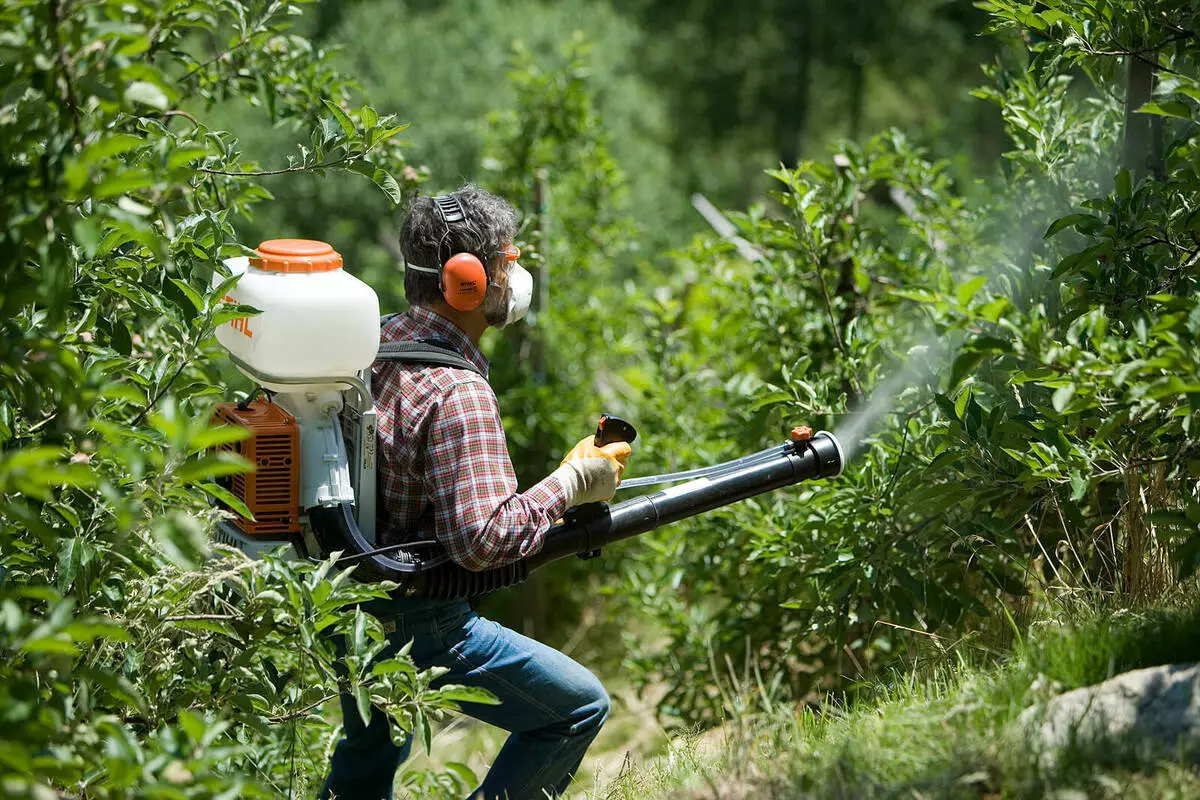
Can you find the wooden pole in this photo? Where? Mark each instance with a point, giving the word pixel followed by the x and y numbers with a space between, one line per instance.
pixel 541 273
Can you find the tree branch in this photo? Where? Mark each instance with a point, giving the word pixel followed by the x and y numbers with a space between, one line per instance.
pixel 65 62
pixel 177 113
pixel 286 171
pixel 301 712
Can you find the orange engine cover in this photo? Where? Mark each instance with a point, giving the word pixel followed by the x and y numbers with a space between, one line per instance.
pixel 271 491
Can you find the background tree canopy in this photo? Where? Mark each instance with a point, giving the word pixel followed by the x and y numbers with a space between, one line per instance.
pixel 975 236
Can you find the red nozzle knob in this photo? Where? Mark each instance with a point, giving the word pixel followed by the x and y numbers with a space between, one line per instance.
pixel 801 433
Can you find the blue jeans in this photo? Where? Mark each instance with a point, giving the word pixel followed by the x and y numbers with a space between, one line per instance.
pixel 552 706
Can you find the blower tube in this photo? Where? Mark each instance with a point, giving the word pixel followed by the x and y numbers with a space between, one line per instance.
pixel 584 529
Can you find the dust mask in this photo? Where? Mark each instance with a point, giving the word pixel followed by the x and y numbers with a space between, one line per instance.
pixel 519 295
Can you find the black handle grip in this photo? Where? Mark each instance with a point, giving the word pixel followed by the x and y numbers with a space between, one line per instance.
pixel 613 429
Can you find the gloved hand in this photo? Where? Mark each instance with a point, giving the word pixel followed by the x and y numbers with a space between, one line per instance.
pixel 617 452
pixel 590 474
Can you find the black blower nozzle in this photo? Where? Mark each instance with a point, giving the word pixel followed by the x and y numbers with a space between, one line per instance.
pixel 587 528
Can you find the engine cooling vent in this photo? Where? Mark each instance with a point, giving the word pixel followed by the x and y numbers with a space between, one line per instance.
pixel 271 491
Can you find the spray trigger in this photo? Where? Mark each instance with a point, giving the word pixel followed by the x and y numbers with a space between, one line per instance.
pixel 613 429
pixel 801 433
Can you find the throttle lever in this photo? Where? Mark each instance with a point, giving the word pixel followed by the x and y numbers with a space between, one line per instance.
pixel 613 429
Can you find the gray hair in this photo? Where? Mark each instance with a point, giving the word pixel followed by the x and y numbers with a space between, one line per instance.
pixel 427 241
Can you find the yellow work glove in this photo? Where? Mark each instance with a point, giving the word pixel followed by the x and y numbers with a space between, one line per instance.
pixel 617 452
pixel 590 474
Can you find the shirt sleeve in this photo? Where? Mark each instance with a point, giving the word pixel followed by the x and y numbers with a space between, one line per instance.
pixel 479 516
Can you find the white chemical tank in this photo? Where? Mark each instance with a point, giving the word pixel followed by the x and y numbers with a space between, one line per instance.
pixel 317 322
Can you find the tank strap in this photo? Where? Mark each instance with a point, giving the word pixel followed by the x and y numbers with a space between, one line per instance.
pixel 424 353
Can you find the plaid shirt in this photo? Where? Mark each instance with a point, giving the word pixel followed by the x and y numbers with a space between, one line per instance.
pixel 444 466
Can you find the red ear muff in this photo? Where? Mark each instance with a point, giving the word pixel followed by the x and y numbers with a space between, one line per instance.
pixel 464 282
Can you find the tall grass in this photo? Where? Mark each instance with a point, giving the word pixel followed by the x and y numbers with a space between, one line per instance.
pixel 949 730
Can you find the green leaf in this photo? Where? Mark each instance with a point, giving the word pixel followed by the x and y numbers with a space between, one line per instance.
pixel 191 294
pixel 388 133
pixel 468 694
pixel 1168 108
pixel 772 399
pixel 147 94
pixel 462 772
pixel 993 309
pixel 362 700
pixel 185 155
pixel 216 436
pixel 128 180
pixel 228 498
pixel 192 725
pixel 232 311
pixel 69 559
pixel 1069 221
pixel 964 365
pixel 1062 397
pixel 343 119
pixel 213 465
pixel 969 289
pixel 1079 486
pixel 384 180
pixel 424 731
pixel 360 631
pixel 108 147
pixel 1123 185
pixel 961 402
pixel 393 666
pixel 52 645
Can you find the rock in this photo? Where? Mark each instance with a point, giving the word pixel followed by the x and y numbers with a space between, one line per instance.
pixel 1154 712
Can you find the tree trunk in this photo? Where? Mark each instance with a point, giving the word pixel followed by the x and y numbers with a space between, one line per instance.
pixel 858 96
pixel 794 73
pixel 1138 150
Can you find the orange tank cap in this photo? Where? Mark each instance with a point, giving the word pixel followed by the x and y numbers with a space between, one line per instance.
pixel 296 255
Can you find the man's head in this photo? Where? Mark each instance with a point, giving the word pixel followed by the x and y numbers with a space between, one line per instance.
pixel 428 240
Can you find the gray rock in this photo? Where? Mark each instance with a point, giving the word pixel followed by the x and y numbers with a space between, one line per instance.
pixel 1152 712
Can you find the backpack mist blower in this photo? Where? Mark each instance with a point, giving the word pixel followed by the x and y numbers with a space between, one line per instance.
pixel 313 441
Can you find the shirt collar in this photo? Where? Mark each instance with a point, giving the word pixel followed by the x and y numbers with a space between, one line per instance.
pixel 426 324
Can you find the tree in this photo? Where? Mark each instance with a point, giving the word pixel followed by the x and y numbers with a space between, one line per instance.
pixel 127 668
pixel 1027 351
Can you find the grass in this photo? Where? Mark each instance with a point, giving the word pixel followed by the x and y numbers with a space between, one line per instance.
pixel 943 732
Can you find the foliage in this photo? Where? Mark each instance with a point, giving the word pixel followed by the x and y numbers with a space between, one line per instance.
pixel 1012 363
pixel 787 78
pixel 446 67
pixel 1015 371
pixel 126 670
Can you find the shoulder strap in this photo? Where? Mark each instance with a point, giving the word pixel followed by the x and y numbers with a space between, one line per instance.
pixel 423 353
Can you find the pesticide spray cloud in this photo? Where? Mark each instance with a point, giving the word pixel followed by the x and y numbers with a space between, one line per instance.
pixel 1004 252
pixel 859 424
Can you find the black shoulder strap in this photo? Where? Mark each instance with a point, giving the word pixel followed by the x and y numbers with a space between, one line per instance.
pixel 424 353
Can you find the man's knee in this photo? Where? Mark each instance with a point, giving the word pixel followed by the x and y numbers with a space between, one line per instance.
pixel 593 711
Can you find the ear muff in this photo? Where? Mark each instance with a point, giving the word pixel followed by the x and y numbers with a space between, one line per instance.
pixel 464 282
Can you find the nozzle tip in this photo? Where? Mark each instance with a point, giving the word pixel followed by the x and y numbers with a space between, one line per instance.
pixel 840 453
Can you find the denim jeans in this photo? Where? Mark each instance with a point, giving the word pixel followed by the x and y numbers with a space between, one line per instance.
pixel 552 706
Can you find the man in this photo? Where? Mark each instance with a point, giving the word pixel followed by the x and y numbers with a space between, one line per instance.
pixel 446 473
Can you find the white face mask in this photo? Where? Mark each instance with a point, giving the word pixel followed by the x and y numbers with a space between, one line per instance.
pixel 519 295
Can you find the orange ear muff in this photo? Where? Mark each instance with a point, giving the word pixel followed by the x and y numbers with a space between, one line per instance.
pixel 464 282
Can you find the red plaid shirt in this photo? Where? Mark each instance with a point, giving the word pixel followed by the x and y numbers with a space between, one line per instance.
pixel 444 466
